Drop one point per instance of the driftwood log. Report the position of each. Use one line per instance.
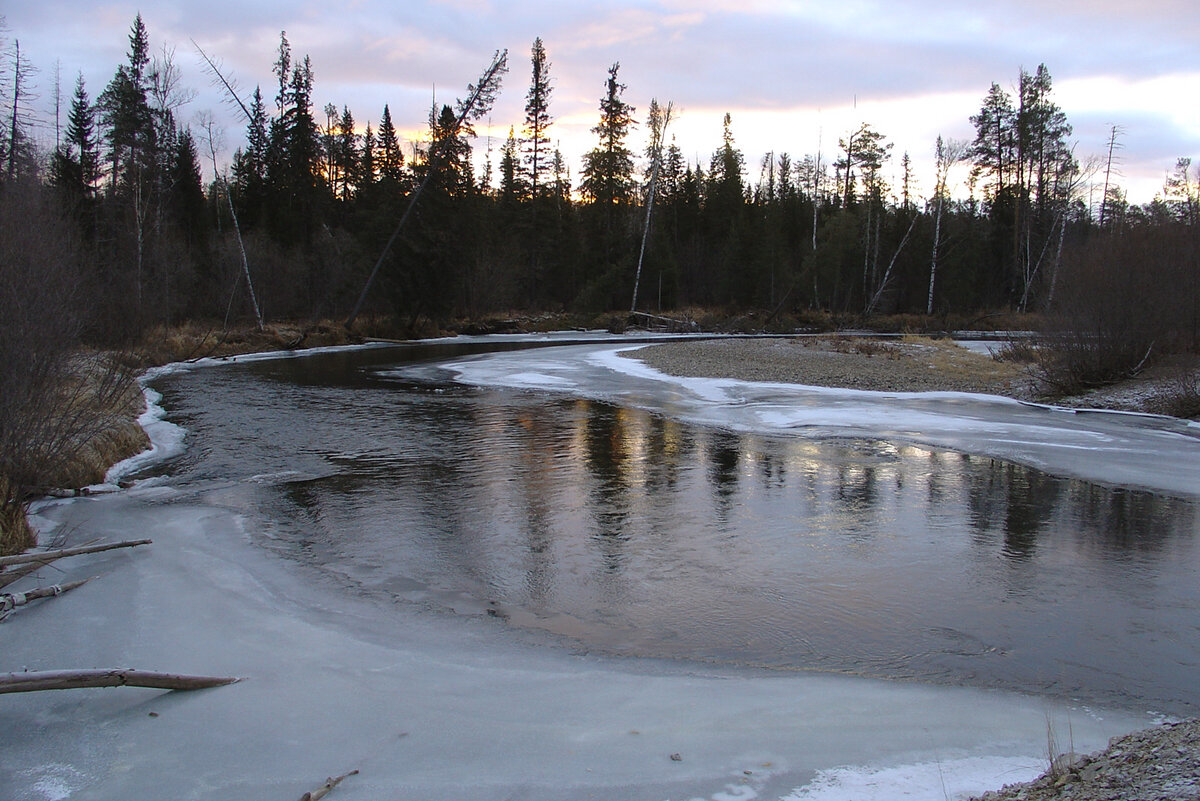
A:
(45, 557)
(11, 600)
(324, 789)
(33, 681)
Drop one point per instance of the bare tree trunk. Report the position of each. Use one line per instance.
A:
(933, 261)
(887, 274)
(35, 681)
(659, 120)
(46, 557)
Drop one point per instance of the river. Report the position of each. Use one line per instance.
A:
(597, 511)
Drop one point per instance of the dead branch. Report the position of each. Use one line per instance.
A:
(17, 573)
(33, 681)
(324, 789)
(46, 557)
(11, 600)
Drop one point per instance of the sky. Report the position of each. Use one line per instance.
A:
(795, 76)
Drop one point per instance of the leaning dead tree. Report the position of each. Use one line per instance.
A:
(660, 118)
(231, 91)
(480, 97)
(34, 681)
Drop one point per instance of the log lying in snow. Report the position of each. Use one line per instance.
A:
(11, 600)
(32, 681)
(45, 557)
(324, 789)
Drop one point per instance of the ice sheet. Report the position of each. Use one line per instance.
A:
(1113, 448)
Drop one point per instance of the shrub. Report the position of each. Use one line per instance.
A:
(1125, 300)
(55, 402)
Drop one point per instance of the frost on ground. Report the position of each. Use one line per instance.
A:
(430, 705)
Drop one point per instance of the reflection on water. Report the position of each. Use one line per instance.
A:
(636, 534)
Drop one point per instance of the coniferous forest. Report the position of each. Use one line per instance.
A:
(294, 225)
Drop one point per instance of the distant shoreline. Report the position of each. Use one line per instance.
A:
(909, 364)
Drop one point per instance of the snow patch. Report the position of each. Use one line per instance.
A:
(950, 779)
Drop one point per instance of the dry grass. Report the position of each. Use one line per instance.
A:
(947, 359)
(15, 533)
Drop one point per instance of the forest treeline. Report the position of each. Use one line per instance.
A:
(308, 203)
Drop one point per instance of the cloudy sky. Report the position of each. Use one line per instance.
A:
(795, 75)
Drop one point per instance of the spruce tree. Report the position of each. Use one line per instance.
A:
(391, 159)
(512, 185)
(76, 162)
(346, 158)
(608, 168)
(535, 134)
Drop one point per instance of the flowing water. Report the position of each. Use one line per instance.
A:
(616, 529)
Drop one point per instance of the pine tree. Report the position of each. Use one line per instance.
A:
(993, 151)
(726, 188)
(368, 171)
(512, 185)
(535, 134)
(126, 116)
(76, 162)
(608, 168)
(391, 159)
(346, 158)
(187, 192)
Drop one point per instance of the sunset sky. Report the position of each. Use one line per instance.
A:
(795, 75)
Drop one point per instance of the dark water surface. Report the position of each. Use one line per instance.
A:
(636, 534)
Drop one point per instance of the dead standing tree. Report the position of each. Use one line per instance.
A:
(946, 154)
(219, 77)
(660, 118)
(480, 97)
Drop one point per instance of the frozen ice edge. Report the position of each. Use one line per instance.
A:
(1149, 452)
(446, 707)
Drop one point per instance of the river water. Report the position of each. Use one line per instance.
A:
(614, 525)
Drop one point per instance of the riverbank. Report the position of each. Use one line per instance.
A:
(879, 362)
(1158, 763)
(1150, 765)
(909, 364)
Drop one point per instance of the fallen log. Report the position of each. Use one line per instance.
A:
(11, 600)
(34, 681)
(45, 557)
(9, 576)
(324, 789)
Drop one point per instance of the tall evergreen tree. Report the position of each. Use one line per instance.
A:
(368, 169)
(391, 158)
(126, 115)
(76, 162)
(512, 183)
(535, 134)
(993, 151)
(346, 159)
(608, 168)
